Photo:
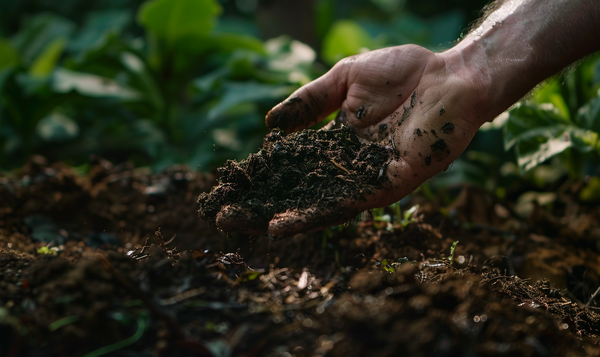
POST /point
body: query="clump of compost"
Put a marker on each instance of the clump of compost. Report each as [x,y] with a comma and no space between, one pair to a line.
[304,169]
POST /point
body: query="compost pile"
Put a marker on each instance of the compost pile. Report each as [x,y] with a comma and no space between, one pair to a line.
[304,169]
[114,261]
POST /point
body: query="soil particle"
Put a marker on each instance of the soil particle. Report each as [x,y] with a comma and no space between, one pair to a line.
[298,171]
[382,128]
[428,160]
[433,132]
[399,95]
[439,145]
[387,83]
[405,115]
[413,99]
[418,132]
[294,114]
[442,111]
[360,112]
[447,128]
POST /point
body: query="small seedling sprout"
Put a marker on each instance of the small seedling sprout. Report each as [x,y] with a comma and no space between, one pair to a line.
[389,266]
[46,251]
[452,248]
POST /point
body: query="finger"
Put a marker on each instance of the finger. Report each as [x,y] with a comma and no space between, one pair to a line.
[236,218]
[311,103]
[298,221]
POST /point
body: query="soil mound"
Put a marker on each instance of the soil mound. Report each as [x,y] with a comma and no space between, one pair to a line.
[297,171]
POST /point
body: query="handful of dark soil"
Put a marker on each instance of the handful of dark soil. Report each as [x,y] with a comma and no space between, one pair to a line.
[304,169]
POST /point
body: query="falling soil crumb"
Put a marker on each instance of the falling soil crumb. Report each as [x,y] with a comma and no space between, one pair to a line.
[301,170]
[447,128]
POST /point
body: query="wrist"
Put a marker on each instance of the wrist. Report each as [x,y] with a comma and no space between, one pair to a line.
[519,45]
[467,63]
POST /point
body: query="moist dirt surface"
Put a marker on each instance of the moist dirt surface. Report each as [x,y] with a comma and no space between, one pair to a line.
[301,170]
[115,261]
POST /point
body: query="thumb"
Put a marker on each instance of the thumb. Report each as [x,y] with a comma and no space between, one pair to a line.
[311,103]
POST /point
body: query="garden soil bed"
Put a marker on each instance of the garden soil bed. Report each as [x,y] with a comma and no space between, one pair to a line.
[116,262]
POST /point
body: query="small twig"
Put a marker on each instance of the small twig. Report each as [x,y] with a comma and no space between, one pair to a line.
[145,245]
[593,296]
[163,245]
[340,167]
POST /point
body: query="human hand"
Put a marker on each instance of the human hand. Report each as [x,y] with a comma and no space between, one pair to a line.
[423,104]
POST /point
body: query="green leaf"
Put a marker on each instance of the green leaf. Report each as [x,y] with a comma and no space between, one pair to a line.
[538,132]
[229,42]
[551,93]
[591,191]
[409,212]
[170,20]
[57,128]
[91,85]
[242,92]
[581,139]
[8,55]
[44,250]
[385,264]
[97,25]
[324,16]
[345,38]
[45,63]
[528,120]
[38,32]
[65,320]
[146,81]
[452,249]
[589,115]
[531,153]
[248,275]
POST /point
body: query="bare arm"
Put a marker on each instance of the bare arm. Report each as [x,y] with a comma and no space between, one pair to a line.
[522,42]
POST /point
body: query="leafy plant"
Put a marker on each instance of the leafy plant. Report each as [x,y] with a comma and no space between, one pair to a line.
[44,250]
[185,92]
[396,220]
[561,119]
[452,248]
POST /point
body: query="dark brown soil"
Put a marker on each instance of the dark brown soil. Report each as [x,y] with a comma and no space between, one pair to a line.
[304,169]
[88,275]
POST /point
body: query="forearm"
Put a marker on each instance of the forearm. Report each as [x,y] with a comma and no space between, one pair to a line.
[522,43]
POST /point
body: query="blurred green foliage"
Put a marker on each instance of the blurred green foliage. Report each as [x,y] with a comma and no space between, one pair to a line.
[183,92]
[561,118]
[173,81]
